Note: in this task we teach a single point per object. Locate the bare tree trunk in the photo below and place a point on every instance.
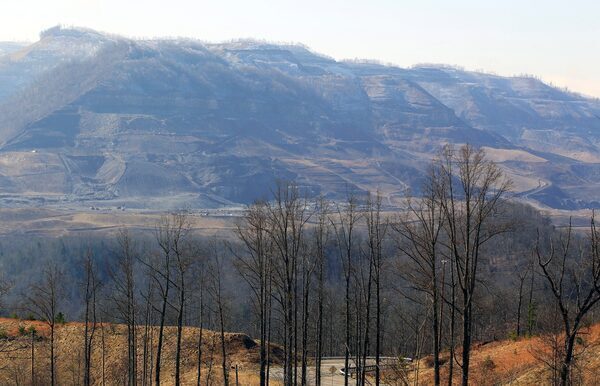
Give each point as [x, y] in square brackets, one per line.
[269, 311]
[86, 371]
[217, 293]
[357, 336]
[367, 322]
[347, 329]
[52, 356]
[321, 239]
[319, 349]
[151, 359]
[162, 275]
[33, 380]
[435, 326]
[290, 365]
[466, 341]
[378, 328]
[182, 252]
[344, 230]
[199, 360]
[530, 305]
[377, 230]
[223, 349]
[103, 352]
[179, 332]
[91, 287]
[452, 326]
[210, 361]
[147, 347]
[161, 329]
[305, 314]
[295, 322]
[43, 300]
[519, 305]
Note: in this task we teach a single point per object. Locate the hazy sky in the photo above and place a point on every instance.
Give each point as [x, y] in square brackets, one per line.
[556, 40]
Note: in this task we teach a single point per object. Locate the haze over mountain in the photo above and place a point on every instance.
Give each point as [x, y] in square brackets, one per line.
[93, 119]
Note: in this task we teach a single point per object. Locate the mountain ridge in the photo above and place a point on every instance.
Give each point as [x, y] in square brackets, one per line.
[116, 121]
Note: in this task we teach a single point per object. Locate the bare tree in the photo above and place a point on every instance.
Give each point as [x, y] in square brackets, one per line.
[287, 217]
[43, 300]
[201, 301]
[183, 252]
[148, 333]
[256, 269]
[123, 296]
[216, 290]
[472, 190]
[420, 232]
[344, 226]
[91, 286]
[307, 266]
[160, 270]
[364, 283]
[320, 239]
[521, 275]
[169, 270]
[377, 227]
[32, 331]
[103, 350]
[452, 329]
[574, 280]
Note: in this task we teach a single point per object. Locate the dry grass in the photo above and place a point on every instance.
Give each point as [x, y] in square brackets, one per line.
[517, 362]
[15, 361]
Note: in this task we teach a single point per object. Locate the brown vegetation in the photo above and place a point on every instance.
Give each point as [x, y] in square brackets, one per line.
[16, 361]
[517, 362]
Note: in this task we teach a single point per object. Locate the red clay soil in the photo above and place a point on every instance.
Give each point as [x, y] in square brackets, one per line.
[521, 361]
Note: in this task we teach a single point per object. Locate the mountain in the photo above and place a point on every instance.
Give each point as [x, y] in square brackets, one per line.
[88, 119]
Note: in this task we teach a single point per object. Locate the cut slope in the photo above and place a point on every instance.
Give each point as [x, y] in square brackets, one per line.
[226, 120]
[15, 363]
[520, 362]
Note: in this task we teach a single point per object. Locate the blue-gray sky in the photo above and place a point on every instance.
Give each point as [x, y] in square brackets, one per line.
[558, 41]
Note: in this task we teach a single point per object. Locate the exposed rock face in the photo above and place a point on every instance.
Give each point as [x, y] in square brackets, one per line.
[94, 117]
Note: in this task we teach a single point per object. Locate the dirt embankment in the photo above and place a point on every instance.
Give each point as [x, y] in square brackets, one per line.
[523, 361]
[109, 354]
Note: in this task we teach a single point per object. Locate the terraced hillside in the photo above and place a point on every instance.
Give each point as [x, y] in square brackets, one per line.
[89, 118]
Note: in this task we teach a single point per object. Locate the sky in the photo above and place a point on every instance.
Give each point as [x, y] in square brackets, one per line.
[558, 41]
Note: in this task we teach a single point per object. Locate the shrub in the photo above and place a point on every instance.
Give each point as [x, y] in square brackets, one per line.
[32, 330]
[30, 316]
[428, 362]
[60, 318]
[22, 330]
[488, 364]
[3, 334]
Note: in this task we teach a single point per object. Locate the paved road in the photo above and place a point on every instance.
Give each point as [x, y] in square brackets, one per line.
[327, 378]
[329, 375]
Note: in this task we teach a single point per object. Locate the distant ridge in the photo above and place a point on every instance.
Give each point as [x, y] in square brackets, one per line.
[88, 118]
